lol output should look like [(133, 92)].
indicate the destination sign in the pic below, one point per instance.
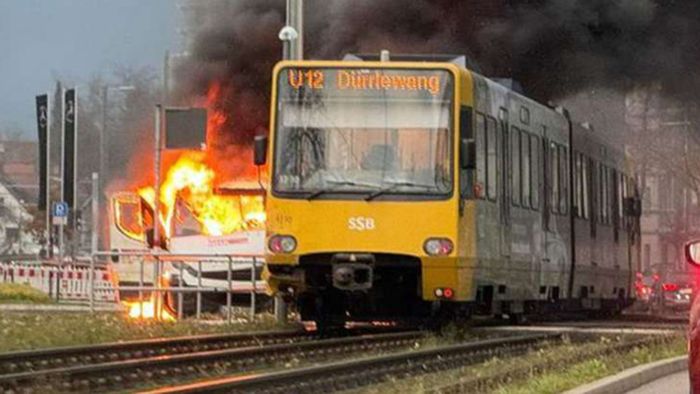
[(430, 81)]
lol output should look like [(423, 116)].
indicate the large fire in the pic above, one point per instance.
[(192, 181), (215, 190)]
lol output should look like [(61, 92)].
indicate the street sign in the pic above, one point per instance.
[(59, 221), (59, 211)]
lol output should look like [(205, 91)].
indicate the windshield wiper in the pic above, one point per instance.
[(338, 186), (393, 186)]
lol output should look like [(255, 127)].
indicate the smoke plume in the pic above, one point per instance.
[(554, 48)]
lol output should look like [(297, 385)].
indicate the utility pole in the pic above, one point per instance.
[(49, 235), (292, 37), (63, 180), (166, 78), (94, 245), (292, 34)]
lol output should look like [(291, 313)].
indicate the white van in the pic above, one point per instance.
[(198, 260)]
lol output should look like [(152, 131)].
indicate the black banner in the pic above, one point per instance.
[(42, 122), (70, 116)]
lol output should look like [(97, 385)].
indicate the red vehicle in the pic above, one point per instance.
[(692, 253)]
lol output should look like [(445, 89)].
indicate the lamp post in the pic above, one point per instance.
[(104, 136)]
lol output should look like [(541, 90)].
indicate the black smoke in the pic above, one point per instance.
[(554, 48)]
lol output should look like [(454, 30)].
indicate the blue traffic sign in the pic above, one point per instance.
[(60, 209)]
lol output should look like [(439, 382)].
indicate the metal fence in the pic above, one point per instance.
[(178, 264), (94, 280)]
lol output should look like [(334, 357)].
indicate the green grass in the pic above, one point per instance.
[(24, 330), (16, 293), (558, 375), (596, 368)]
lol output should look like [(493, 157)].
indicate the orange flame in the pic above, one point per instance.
[(194, 176), (193, 181), (147, 310)]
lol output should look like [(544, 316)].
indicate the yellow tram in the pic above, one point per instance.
[(410, 188)]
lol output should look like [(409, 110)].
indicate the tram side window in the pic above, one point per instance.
[(480, 151), (515, 162), (525, 168), (585, 179), (491, 159), (554, 177), (535, 171), (563, 180)]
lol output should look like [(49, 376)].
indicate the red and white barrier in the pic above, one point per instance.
[(74, 281)]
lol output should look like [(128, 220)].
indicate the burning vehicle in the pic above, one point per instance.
[(207, 227)]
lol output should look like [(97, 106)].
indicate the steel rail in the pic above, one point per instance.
[(352, 374), (119, 375), (33, 360)]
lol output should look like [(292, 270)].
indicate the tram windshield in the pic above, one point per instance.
[(367, 133)]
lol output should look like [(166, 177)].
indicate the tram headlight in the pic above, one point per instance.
[(438, 246), (282, 244)]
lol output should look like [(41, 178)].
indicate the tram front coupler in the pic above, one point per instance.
[(352, 271)]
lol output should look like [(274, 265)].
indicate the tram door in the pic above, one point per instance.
[(506, 172)]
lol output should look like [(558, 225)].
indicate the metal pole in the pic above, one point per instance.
[(180, 285), (75, 238), (156, 206), (92, 282), (156, 186), (300, 29), (141, 275), (156, 293), (199, 289), (49, 243), (103, 136), (293, 49), (228, 291), (63, 174), (94, 241), (166, 77), (253, 289), (295, 19)]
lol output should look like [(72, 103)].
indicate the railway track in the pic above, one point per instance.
[(35, 360), (147, 371), (351, 374)]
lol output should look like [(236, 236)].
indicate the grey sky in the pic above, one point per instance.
[(73, 40)]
